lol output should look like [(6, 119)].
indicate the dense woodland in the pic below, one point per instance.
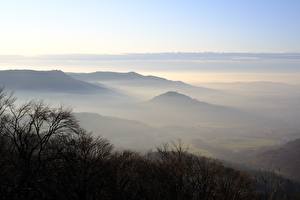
[(44, 154)]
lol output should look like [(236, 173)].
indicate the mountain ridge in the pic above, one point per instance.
[(110, 75), (50, 81)]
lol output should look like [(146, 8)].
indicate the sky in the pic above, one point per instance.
[(32, 27)]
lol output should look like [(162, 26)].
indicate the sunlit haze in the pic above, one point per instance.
[(150, 99)]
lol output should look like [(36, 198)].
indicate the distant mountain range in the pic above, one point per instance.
[(129, 84), (130, 77), (158, 56), (105, 76), (142, 86), (46, 81)]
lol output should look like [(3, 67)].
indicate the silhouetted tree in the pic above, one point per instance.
[(45, 155), (81, 173), (27, 131)]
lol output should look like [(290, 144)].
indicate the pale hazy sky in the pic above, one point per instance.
[(34, 27)]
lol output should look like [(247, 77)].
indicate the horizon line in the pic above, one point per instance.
[(151, 53)]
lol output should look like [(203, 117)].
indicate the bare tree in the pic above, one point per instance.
[(44, 154), (82, 173), (28, 130)]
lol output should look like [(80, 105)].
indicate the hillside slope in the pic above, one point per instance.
[(285, 159)]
